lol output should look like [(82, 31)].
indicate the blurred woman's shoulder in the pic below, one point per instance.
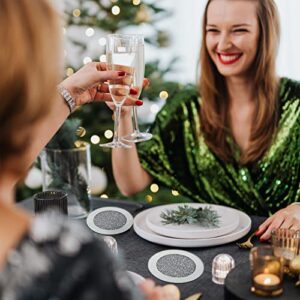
[(61, 258)]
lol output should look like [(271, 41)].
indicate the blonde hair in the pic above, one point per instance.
[(215, 103), (29, 64)]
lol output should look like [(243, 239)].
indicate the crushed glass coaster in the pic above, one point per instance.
[(175, 266), (109, 220)]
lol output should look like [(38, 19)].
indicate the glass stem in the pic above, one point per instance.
[(117, 122), (135, 120)]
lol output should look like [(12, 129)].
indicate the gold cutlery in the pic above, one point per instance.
[(247, 244), (194, 297)]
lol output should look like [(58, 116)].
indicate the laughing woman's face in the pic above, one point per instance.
[(232, 34)]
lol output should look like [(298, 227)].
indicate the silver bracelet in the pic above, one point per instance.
[(70, 101)]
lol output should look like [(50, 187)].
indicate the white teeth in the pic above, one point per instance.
[(228, 58)]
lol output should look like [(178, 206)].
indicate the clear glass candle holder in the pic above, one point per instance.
[(111, 244), (285, 243), (266, 272), (221, 266)]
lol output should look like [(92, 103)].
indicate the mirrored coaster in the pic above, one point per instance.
[(175, 266), (109, 220)]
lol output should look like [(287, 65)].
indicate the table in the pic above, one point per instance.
[(137, 251)]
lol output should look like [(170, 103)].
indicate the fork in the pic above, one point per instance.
[(247, 244)]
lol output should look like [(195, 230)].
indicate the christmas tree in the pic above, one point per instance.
[(87, 24)]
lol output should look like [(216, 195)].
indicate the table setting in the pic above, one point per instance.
[(215, 267)]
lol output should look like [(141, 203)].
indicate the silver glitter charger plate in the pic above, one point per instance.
[(109, 220), (175, 266)]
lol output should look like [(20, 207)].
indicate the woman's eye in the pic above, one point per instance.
[(240, 30), (212, 30)]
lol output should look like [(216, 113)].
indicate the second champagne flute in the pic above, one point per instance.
[(138, 78), (120, 56)]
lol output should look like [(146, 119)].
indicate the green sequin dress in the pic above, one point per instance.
[(178, 158)]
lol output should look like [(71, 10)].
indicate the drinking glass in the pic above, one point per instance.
[(285, 242), (138, 77), (57, 200), (120, 56)]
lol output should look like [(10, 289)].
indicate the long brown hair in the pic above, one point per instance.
[(214, 111), (29, 64)]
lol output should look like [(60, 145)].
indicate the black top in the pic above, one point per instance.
[(60, 259)]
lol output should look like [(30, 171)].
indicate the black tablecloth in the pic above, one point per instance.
[(138, 251)]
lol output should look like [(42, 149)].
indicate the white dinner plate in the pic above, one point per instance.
[(228, 221), (141, 229)]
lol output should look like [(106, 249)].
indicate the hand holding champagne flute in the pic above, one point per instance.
[(120, 56)]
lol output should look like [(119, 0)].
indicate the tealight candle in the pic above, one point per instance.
[(266, 279), (267, 271)]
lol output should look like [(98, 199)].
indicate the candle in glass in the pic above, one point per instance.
[(267, 271)]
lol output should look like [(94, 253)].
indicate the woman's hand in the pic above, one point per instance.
[(134, 91), (153, 292), (288, 217), (89, 84)]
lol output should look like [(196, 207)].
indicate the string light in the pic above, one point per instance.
[(163, 95), (87, 60), (154, 108), (115, 10), (154, 188), (76, 12), (89, 32), (102, 58), (103, 196), (80, 131), (108, 134), (149, 198), (69, 72), (102, 41), (175, 193), (136, 2), (95, 139)]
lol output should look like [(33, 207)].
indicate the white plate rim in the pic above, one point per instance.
[(145, 233), (202, 232), (127, 225), (152, 266)]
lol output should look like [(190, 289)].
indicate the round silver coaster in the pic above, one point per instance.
[(175, 266), (109, 220)]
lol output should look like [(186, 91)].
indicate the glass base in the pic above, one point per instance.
[(137, 137), (263, 293), (76, 212), (116, 144)]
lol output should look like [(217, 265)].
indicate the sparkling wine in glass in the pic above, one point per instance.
[(120, 56), (138, 77)]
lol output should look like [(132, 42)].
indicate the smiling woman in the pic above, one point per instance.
[(235, 139), (232, 37)]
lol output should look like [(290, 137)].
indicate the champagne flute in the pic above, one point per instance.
[(120, 56), (138, 77)]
